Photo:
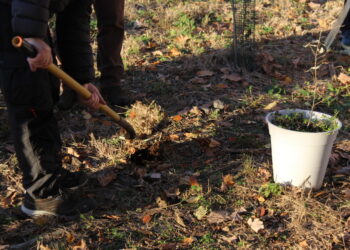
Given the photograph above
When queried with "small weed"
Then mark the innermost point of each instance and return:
(115, 234)
(207, 239)
(215, 114)
(270, 189)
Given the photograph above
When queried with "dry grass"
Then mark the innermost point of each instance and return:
(145, 118)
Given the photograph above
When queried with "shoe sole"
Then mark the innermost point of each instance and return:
(345, 46)
(35, 213)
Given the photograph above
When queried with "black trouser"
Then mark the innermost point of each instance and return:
(110, 21)
(30, 98)
(346, 24)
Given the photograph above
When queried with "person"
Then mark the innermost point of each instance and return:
(30, 93)
(110, 24)
(345, 30)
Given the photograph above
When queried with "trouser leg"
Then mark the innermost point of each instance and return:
(110, 19)
(34, 129)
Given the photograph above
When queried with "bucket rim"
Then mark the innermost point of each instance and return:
(308, 112)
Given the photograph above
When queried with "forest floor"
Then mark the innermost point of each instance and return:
(199, 176)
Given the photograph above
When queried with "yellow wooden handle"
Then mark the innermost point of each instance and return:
(69, 81)
(73, 84)
(19, 43)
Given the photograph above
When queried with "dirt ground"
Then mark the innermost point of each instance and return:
(199, 175)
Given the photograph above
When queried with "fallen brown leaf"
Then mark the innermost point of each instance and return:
(344, 78)
(189, 240)
(146, 219)
(69, 237)
(222, 86)
(228, 180)
(214, 143)
(73, 152)
(233, 77)
(105, 178)
(8, 200)
(178, 219)
(81, 246)
(270, 105)
(175, 52)
(200, 212)
(255, 224)
(177, 118)
(198, 80)
(194, 181)
(204, 73)
(346, 193)
(161, 203)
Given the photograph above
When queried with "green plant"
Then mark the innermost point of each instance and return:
(115, 234)
(299, 122)
(207, 239)
(269, 189)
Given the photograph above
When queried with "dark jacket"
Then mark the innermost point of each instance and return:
(30, 19)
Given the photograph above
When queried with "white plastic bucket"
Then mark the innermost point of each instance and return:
(300, 158)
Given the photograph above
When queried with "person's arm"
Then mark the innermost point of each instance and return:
(29, 20)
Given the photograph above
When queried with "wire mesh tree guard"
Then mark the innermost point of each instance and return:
(244, 20)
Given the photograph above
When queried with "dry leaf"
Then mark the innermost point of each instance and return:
(230, 239)
(43, 247)
(261, 199)
(132, 115)
(228, 180)
(222, 86)
(261, 211)
(233, 77)
(172, 192)
(113, 217)
(193, 199)
(344, 78)
(189, 241)
(270, 105)
(200, 212)
(214, 143)
(173, 137)
(190, 135)
(177, 118)
(175, 52)
(72, 151)
(225, 70)
(105, 178)
(157, 53)
(313, 5)
(195, 110)
(346, 193)
(198, 80)
(178, 219)
(255, 224)
(193, 181)
(204, 73)
(69, 237)
(218, 104)
(218, 217)
(81, 246)
(182, 39)
(303, 244)
(8, 201)
(146, 219)
(161, 203)
(287, 80)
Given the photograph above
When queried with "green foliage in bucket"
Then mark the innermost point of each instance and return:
(299, 122)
